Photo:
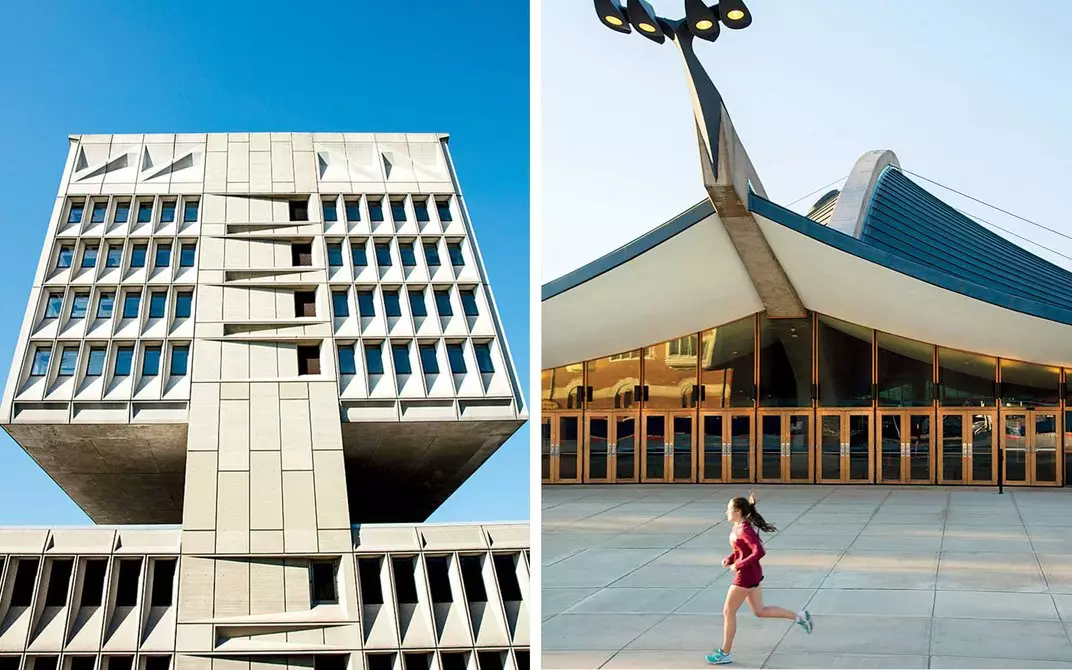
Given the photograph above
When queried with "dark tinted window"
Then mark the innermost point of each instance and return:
(905, 372)
(131, 301)
(347, 364)
(457, 358)
(420, 209)
(145, 212)
(183, 304)
(366, 306)
(180, 360)
(455, 251)
(375, 207)
(59, 580)
(137, 256)
(340, 307)
(167, 211)
(368, 570)
(429, 363)
(966, 379)
(400, 356)
(374, 359)
(299, 210)
(469, 303)
(442, 302)
(151, 362)
(383, 254)
(405, 585)
(163, 583)
(335, 255)
(331, 212)
(398, 210)
(187, 254)
(323, 581)
(443, 207)
(506, 574)
(124, 357)
(391, 303)
(431, 255)
(54, 306)
(126, 593)
(844, 363)
(25, 581)
(785, 362)
(93, 582)
(473, 579)
(416, 303)
(157, 305)
(189, 214)
(122, 212)
(309, 360)
(483, 357)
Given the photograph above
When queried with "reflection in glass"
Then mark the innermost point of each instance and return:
(625, 448)
(784, 362)
(741, 448)
(545, 454)
(953, 448)
(982, 451)
(905, 372)
(655, 446)
(1028, 385)
(890, 445)
(919, 447)
(771, 444)
(682, 448)
(712, 447)
(562, 388)
(613, 381)
(1045, 448)
(670, 374)
(727, 365)
(859, 447)
(598, 447)
(568, 443)
(1068, 441)
(799, 443)
(844, 363)
(967, 380)
(830, 446)
(1016, 448)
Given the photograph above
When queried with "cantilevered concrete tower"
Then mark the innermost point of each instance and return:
(270, 339)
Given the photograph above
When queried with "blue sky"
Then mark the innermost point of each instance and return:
(961, 90)
(199, 66)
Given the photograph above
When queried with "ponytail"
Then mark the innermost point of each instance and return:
(749, 513)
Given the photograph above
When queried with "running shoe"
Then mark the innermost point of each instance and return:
(804, 621)
(719, 657)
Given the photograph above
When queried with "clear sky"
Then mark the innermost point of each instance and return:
(200, 66)
(962, 91)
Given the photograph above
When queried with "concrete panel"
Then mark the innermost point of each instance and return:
(196, 588)
(199, 509)
(295, 435)
(266, 491)
(330, 487)
(299, 512)
(232, 513)
(234, 434)
(264, 411)
(232, 588)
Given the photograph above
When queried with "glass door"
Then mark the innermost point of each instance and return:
(1030, 446)
(545, 449)
(953, 448)
(1046, 453)
(598, 449)
(967, 454)
(844, 447)
(566, 448)
(982, 465)
(680, 464)
(725, 447)
(626, 464)
(654, 447)
(785, 453)
(905, 447)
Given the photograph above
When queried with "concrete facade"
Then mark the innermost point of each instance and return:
(270, 338)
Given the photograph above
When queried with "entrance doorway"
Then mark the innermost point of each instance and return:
(726, 441)
(905, 447)
(610, 448)
(667, 447)
(967, 447)
(1029, 442)
(785, 453)
(562, 448)
(844, 453)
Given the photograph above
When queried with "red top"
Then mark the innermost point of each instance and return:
(747, 551)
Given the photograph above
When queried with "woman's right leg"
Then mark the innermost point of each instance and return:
(735, 597)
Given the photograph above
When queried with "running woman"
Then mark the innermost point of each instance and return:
(747, 575)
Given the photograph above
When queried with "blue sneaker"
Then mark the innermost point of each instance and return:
(804, 621)
(719, 657)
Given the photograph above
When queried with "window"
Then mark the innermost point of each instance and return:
(95, 367)
(126, 592)
(189, 213)
(469, 304)
(353, 211)
(114, 256)
(483, 357)
(180, 359)
(124, 359)
(105, 304)
(183, 304)
(365, 304)
(452, 660)
(420, 208)
(99, 210)
(118, 663)
(301, 254)
(137, 256)
(368, 574)
(157, 305)
(339, 305)
(66, 256)
(380, 661)
(357, 251)
(80, 306)
(89, 257)
(25, 580)
(391, 303)
(456, 356)
(405, 250)
(383, 254)
(54, 306)
(490, 660)
(59, 578)
(335, 255)
(93, 583)
(331, 213)
(150, 362)
(328, 661)
(398, 210)
(400, 356)
(187, 254)
(373, 359)
(304, 303)
(438, 569)
(145, 211)
(167, 212)
(473, 579)
(431, 254)
(299, 210)
(443, 207)
(74, 215)
(454, 249)
(122, 211)
(309, 360)
(79, 663)
(322, 581)
(442, 303)
(68, 361)
(375, 210)
(130, 305)
(347, 364)
(163, 255)
(429, 363)
(405, 584)
(416, 303)
(506, 575)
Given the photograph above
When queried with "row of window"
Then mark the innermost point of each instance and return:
(429, 360)
(113, 255)
(411, 660)
(124, 360)
(352, 208)
(98, 211)
(366, 306)
(131, 305)
(407, 251)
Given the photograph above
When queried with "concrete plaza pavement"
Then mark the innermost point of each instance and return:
(914, 577)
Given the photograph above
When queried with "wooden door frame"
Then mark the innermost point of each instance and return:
(643, 453)
(965, 445)
(615, 416)
(691, 415)
(556, 444)
(906, 415)
(728, 415)
(784, 415)
(1031, 466)
(701, 453)
(844, 413)
(548, 420)
(586, 457)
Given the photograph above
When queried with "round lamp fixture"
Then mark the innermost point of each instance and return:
(613, 20)
(704, 25)
(646, 27)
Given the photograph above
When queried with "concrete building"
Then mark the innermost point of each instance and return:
(262, 343)
(884, 338)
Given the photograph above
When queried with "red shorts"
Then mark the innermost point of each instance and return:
(747, 581)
